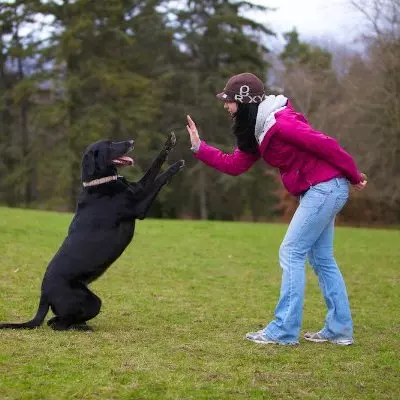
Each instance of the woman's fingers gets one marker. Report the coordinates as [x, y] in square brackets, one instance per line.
[364, 177]
[189, 130]
[191, 127]
[191, 122]
[361, 185]
[192, 131]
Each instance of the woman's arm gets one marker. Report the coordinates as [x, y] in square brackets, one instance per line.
[233, 163]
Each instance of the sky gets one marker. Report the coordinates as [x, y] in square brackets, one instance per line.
[321, 21]
[318, 20]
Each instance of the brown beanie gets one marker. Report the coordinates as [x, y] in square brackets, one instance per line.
[243, 88]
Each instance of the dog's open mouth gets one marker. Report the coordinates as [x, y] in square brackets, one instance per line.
[123, 161]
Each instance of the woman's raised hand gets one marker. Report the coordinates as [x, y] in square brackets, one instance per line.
[194, 135]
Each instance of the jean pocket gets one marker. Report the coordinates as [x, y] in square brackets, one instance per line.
[314, 197]
[323, 188]
[340, 202]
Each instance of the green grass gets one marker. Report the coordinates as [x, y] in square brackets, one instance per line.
[176, 306]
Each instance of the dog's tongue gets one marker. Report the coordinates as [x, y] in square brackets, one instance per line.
[124, 160]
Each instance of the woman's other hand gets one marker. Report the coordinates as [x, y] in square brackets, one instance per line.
[362, 184]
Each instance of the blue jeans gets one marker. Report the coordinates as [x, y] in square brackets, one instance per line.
[310, 233]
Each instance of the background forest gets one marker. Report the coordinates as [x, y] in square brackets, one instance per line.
[72, 72]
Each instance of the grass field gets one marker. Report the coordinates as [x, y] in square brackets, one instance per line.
[176, 306]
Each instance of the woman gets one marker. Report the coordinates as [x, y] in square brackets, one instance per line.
[312, 166]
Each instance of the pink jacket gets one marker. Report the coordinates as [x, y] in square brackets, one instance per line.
[304, 156]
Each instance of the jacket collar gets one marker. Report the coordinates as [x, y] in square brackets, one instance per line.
[266, 114]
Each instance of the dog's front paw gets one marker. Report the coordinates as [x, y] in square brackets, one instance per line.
[181, 163]
[170, 142]
[177, 166]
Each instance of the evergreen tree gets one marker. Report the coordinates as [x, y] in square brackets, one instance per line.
[108, 88]
[18, 84]
[217, 41]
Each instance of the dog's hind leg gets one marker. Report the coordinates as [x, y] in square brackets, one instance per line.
[81, 306]
[66, 325]
[156, 165]
[60, 324]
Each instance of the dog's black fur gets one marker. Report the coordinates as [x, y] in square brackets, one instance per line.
[101, 229]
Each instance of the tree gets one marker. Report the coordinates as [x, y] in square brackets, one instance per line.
[107, 89]
[372, 87]
[217, 41]
[18, 83]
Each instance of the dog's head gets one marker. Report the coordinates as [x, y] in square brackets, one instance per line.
[102, 158]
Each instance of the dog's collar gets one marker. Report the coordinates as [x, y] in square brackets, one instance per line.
[100, 181]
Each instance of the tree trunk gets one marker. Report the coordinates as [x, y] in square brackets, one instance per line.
[24, 134]
[6, 124]
[203, 196]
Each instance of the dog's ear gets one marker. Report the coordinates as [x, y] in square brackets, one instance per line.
[102, 158]
[88, 164]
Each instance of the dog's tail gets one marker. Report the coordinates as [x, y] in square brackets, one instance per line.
[35, 322]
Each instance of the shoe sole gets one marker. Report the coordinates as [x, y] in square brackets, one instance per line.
[317, 340]
[270, 342]
[342, 343]
[330, 341]
[261, 341]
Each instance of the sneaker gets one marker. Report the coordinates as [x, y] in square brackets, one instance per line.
[317, 337]
[260, 338]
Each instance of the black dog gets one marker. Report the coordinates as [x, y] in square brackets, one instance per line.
[101, 229]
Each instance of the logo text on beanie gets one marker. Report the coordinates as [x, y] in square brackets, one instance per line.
[244, 92]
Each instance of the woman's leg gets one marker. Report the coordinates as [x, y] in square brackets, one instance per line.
[316, 211]
[338, 322]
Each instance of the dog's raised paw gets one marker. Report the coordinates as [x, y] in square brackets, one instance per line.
[177, 166]
[170, 142]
